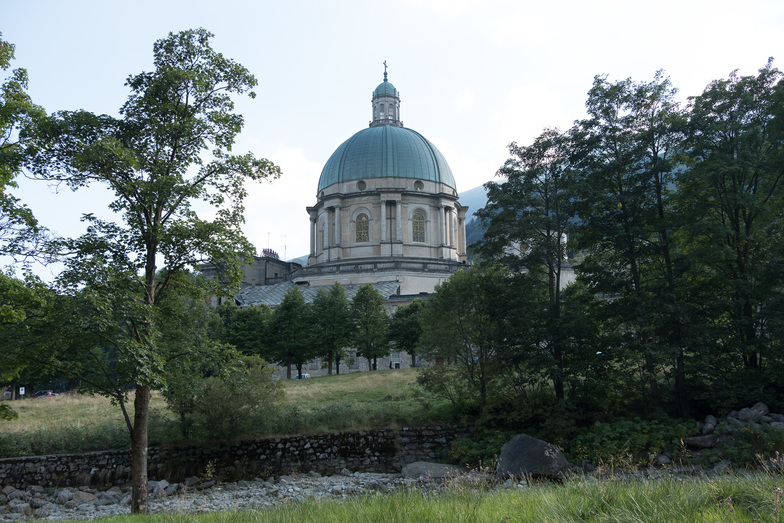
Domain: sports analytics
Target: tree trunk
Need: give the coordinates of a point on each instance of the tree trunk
(139, 498)
(329, 364)
(413, 360)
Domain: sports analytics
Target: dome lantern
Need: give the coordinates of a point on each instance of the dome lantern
(386, 104)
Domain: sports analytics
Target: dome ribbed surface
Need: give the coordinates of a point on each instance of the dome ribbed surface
(385, 89)
(386, 151)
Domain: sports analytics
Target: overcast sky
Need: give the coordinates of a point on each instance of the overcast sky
(472, 76)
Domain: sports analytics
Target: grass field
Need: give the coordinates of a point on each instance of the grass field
(756, 498)
(76, 423)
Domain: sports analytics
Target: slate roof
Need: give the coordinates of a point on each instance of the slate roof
(272, 295)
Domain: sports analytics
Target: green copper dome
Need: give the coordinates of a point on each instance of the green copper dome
(385, 89)
(386, 151)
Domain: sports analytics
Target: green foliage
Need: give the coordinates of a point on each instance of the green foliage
(245, 328)
(19, 230)
(371, 323)
(333, 323)
(7, 413)
(752, 446)
(481, 450)
(629, 440)
(169, 150)
(290, 337)
(465, 322)
(242, 400)
(405, 328)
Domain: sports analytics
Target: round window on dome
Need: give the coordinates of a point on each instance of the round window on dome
(418, 185)
(361, 185)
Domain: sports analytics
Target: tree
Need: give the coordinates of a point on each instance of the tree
(332, 322)
(405, 328)
(624, 156)
(154, 158)
(529, 218)
(732, 196)
(18, 226)
(371, 321)
(290, 332)
(465, 322)
(24, 305)
(246, 328)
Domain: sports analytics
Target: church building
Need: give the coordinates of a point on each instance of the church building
(386, 213)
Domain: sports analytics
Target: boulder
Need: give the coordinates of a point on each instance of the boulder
(423, 469)
(709, 425)
(747, 414)
(524, 455)
(701, 442)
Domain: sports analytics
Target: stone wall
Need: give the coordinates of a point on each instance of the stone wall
(366, 451)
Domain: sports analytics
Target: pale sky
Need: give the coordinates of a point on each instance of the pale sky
(472, 76)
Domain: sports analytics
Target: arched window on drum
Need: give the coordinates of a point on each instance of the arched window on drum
(362, 228)
(418, 227)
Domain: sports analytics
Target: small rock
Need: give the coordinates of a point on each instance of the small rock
(663, 459)
(84, 497)
(735, 422)
(721, 466)
(191, 481)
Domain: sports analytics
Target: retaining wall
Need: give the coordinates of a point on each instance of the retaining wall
(366, 451)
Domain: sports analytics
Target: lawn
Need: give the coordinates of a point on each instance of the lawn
(362, 400)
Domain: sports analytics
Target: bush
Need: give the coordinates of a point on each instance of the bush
(241, 401)
(752, 445)
(6, 412)
(481, 450)
(636, 440)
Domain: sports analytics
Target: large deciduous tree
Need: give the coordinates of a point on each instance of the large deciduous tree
(623, 154)
(733, 195)
(465, 322)
(18, 226)
(169, 149)
(528, 219)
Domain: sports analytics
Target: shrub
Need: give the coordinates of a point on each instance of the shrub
(751, 445)
(6, 412)
(637, 439)
(480, 450)
(241, 401)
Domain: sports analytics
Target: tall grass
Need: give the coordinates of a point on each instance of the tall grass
(730, 499)
(364, 400)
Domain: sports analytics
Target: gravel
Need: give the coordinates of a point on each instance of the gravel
(195, 496)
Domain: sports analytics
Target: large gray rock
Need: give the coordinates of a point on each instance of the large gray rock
(748, 414)
(524, 455)
(701, 442)
(423, 469)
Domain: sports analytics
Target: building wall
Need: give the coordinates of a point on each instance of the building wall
(389, 204)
